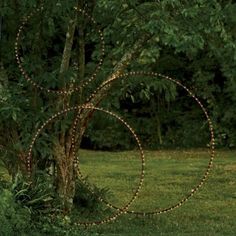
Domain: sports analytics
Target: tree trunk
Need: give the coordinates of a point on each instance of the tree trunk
(66, 173)
(65, 180)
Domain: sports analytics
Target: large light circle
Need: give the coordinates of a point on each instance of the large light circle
(89, 107)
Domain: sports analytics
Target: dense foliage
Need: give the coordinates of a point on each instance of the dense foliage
(191, 41)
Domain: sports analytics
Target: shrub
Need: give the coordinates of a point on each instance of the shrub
(14, 219)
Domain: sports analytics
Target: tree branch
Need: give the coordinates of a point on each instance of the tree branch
(127, 58)
(121, 66)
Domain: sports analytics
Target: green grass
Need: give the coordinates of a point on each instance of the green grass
(170, 175)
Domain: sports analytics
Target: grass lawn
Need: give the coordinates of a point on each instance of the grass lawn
(170, 175)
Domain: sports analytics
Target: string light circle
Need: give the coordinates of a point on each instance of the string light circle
(28, 78)
(212, 139)
(120, 211)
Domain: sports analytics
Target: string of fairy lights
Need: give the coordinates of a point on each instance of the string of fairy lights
(154, 75)
(29, 78)
(89, 106)
(52, 118)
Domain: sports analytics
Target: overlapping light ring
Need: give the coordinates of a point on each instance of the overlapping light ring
(90, 107)
(212, 141)
(59, 91)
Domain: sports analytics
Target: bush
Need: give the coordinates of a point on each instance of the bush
(14, 219)
(39, 196)
(32, 209)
